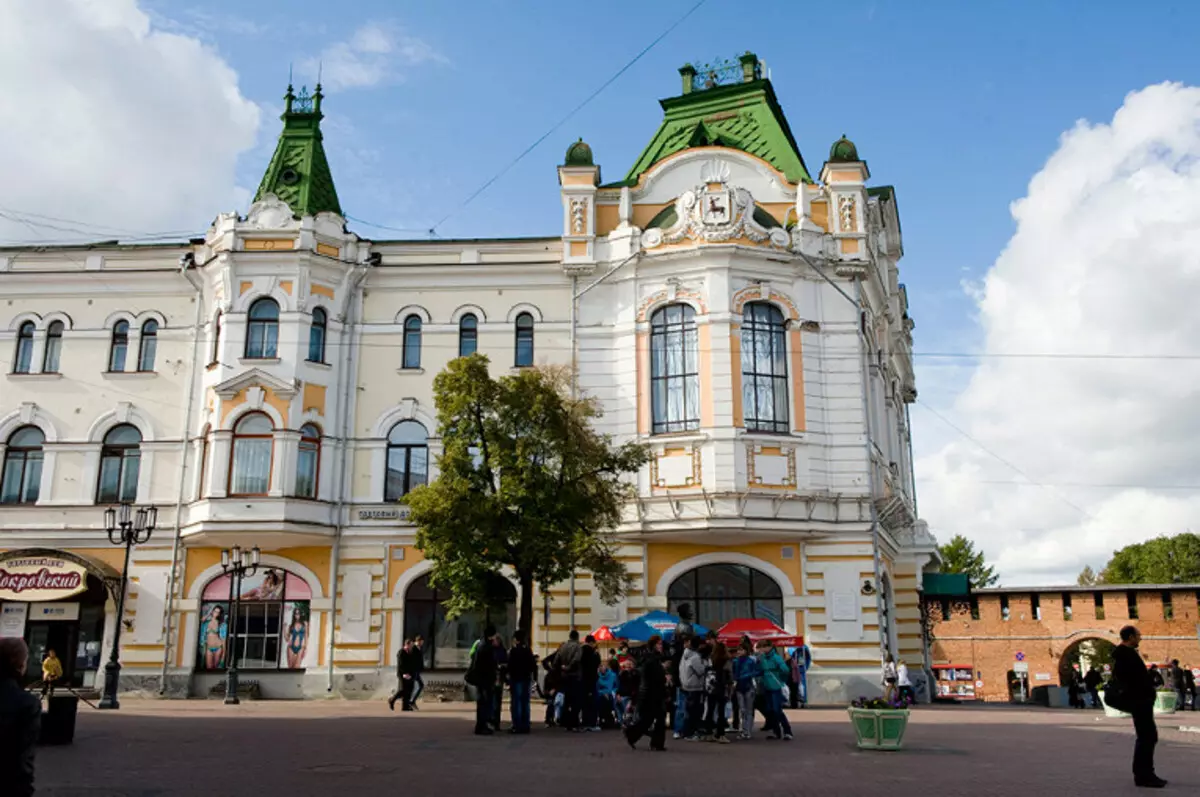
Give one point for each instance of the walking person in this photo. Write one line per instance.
(20, 720)
(1137, 697)
(522, 668)
(774, 677)
(904, 684)
(746, 672)
(569, 659)
(417, 679)
(404, 676)
(651, 701)
(1189, 685)
(718, 688)
(691, 682)
(889, 678)
(481, 674)
(52, 671)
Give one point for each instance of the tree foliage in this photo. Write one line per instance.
(959, 556)
(1162, 560)
(525, 481)
(1087, 577)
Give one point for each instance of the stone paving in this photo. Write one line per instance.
(334, 748)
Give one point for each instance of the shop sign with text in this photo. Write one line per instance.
(40, 578)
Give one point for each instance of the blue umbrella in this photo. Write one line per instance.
(640, 629)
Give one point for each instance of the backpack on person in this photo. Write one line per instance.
(472, 674)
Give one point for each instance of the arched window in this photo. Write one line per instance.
(412, 342)
(215, 354)
(50, 360)
(272, 628)
(447, 642)
(119, 347)
(262, 330)
(674, 370)
(764, 368)
(523, 357)
(316, 336)
(308, 461)
(724, 592)
(148, 345)
(22, 466)
(253, 444)
(120, 461)
(407, 459)
(23, 359)
(468, 335)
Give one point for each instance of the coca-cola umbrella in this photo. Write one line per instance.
(603, 634)
(758, 629)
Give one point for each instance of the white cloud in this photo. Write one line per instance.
(1105, 260)
(110, 121)
(376, 53)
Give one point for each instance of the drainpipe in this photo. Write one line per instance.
(185, 265)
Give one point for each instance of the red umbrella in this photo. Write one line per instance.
(759, 629)
(603, 634)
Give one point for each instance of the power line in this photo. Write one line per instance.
(1068, 485)
(567, 118)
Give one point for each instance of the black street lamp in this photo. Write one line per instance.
(128, 531)
(237, 564)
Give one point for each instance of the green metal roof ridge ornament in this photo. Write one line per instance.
(299, 172)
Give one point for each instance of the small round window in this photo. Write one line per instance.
(289, 176)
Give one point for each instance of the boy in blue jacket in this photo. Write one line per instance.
(746, 670)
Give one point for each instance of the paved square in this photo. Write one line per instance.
(352, 748)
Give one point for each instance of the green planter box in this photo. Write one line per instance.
(1164, 703)
(879, 729)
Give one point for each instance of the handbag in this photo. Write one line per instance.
(1117, 696)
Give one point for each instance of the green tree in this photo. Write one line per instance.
(1087, 577)
(959, 556)
(525, 481)
(1162, 560)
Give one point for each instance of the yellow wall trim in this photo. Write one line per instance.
(320, 290)
(286, 286)
(328, 250)
(268, 244)
(313, 399)
(839, 558)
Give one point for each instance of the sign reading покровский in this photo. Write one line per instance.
(41, 578)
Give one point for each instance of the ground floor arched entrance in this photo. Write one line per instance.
(448, 640)
(1084, 654)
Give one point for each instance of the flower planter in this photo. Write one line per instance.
(879, 728)
(1164, 702)
(1109, 711)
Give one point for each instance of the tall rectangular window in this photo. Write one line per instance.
(1098, 599)
(1004, 612)
(1131, 603)
(1066, 599)
(974, 608)
(1035, 606)
(674, 370)
(1168, 608)
(764, 369)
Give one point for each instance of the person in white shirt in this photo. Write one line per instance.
(903, 684)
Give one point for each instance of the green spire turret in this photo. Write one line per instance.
(299, 172)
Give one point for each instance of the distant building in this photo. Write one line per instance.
(270, 385)
(985, 642)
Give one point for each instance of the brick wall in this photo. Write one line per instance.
(990, 644)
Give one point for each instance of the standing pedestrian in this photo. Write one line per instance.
(569, 658)
(803, 657)
(793, 678)
(1189, 685)
(1137, 693)
(889, 678)
(20, 719)
(684, 631)
(51, 672)
(521, 670)
(904, 683)
(1091, 682)
(746, 672)
(501, 654)
(481, 674)
(552, 689)
(1177, 680)
(589, 676)
(718, 686)
(651, 699)
(691, 682)
(774, 678)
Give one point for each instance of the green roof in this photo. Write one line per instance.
(950, 585)
(299, 172)
(744, 116)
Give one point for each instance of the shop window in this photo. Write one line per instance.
(1005, 614)
(118, 349)
(22, 476)
(411, 354)
(23, 357)
(1067, 612)
(272, 625)
(764, 369)
(1168, 607)
(448, 641)
(148, 345)
(523, 354)
(1131, 604)
(253, 446)
(407, 459)
(120, 462)
(674, 370)
(1098, 600)
(308, 461)
(468, 335)
(53, 354)
(316, 336)
(723, 592)
(262, 330)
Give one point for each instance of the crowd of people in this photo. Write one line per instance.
(697, 687)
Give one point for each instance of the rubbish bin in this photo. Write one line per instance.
(58, 720)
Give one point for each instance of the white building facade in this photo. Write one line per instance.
(271, 386)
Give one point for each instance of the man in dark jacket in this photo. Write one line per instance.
(589, 674)
(568, 658)
(482, 671)
(651, 701)
(521, 669)
(20, 717)
(1180, 684)
(1134, 682)
(1092, 682)
(409, 666)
